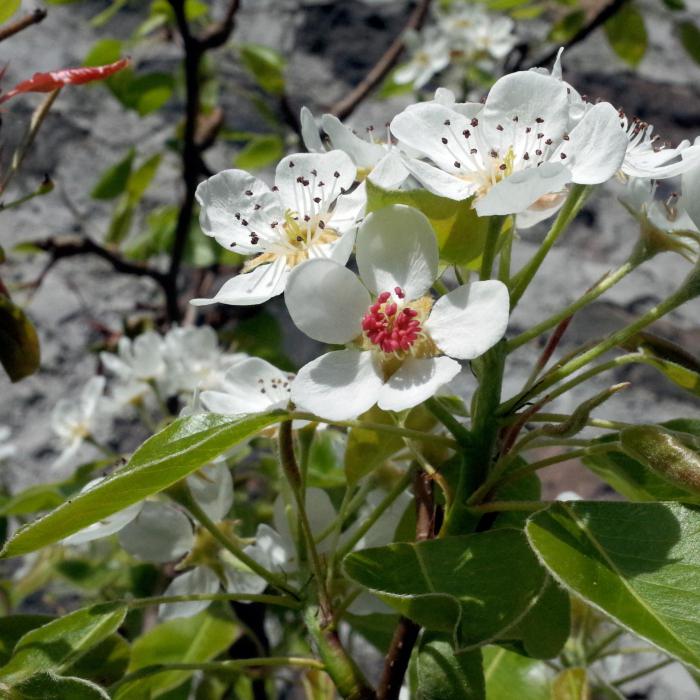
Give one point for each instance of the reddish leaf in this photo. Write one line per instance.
(46, 82)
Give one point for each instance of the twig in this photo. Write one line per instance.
(406, 632)
(601, 18)
(19, 25)
(345, 106)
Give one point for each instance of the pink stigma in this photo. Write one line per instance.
(387, 327)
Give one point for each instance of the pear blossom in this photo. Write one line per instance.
(473, 32)
(690, 200)
(429, 54)
(309, 213)
(7, 449)
(402, 346)
(515, 153)
(75, 421)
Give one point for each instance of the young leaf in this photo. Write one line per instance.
(19, 343)
(473, 586)
(103, 51)
(505, 670)
(690, 38)
(139, 181)
(113, 181)
(8, 8)
(627, 34)
(446, 675)
(174, 453)
(13, 628)
(266, 66)
(260, 152)
(183, 640)
(571, 684)
(637, 562)
(61, 642)
(49, 686)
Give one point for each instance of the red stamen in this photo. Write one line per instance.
(389, 330)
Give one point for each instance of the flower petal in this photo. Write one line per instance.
(212, 489)
(417, 380)
(326, 301)
(517, 192)
(159, 533)
(397, 247)
(596, 146)
(321, 514)
(470, 319)
(250, 288)
(199, 581)
(363, 153)
(338, 385)
(690, 199)
(107, 526)
(390, 172)
(309, 132)
(438, 181)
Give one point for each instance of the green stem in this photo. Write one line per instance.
(572, 206)
(380, 428)
(603, 644)
(399, 487)
(491, 246)
(606, 283)
(507, 506)
(184, 496)
(459, 432)
(643, 672)
(505, 257)
(231, 666)
(592, 422)
(282, 601)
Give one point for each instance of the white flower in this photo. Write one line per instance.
(402, 345)
(74, 421)
(690, 200)
(515, 154)
(251, 386)
(430, 54)
(7, 449)
(472, 31)
(305, 215)
(379, 160)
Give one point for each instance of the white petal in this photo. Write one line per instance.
(439, 182)
(470, 319)
(690, 198)
(326, 301)
(200, 581)
(91, 395)
(396, 247)
(339, 385)
(522, 189)
(250, 386)
(320, 511)
(249, 288)
(529, 96)
(416, 380)
(384, 529)
(159, 533)
(349, 209)
(363, 153)
(309, 132)
(270, 550)
(596, 146)
(335, 169)
(107, 526)
(390, 172)
(212, 489)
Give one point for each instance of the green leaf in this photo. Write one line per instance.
(8, 8)
(674, 4)
(461, 234)
(325, 469)
(505, 670)
(265, 65)
(102, 52)
(182, 640)
(102, 18)
(14, 627)
(446, 675)
(563, 29)
(690, 38)
(59, 643)
(120, 224)
(637, 562)
(139, 181)
(104, 664)
(529, 488)
(473, 586)
(163, 460)
(545, 628)
(377, 628)
(19, 343)
(148, 93)
(627, 34)
(113, 181)
(260, 152)
(50, 686)
(571, 684)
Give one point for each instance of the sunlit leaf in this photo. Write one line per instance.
(505, 670)
(627, 34)
(260, 152)
(265, 65)
(8, 8)
(114, 179)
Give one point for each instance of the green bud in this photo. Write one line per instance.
(665, 453)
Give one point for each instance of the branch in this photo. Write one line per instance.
(218, 34)
(406, 632)
(610, 10)
(19, 25)
(345, 106)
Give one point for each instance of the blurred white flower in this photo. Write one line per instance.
(7, 449)
(74, 421)
(429, 54)
(404, 347)
(307, 214)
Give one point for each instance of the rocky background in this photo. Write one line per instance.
(330, 46)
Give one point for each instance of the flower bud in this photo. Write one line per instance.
(664, 453)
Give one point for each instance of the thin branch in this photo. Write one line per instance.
(218, 34)
(610, 10)
(406, 632)
(345, 106)
(19, 25)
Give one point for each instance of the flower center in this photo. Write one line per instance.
(389, 328)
